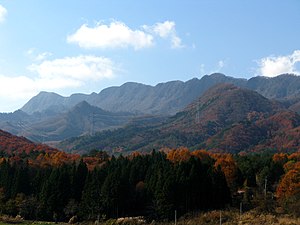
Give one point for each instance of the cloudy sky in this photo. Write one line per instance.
(85, 46)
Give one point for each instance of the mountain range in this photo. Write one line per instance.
(49, 117)
(226, 118)
(164, 98)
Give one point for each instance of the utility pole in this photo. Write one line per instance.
(175, 217)
(220, 217)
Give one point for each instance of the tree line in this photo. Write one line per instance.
(152, 185)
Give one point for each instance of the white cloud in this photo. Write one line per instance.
(275, 65)
(81, 68)
(3, 13)
(119, 35)
(16, 87)
(221, 64)
(33, 55)
(166, 30)
(68, 72)
(114, 35)
(42, 56)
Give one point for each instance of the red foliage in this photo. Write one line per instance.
(10, 144)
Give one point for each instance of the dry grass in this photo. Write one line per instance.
(229, 217)
(234, 218)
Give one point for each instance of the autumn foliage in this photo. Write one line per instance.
(290, 183)
(55, 181)
(229, 168)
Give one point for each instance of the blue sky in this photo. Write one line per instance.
(84, 46)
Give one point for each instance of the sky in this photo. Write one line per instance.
(84, 46)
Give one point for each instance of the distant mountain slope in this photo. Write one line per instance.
(48, 117)
(217, 110)
(222, 105)
(279, 132)
(11, 145)
(79, 120)
(283, 86)
(49, 101)
(165, 98)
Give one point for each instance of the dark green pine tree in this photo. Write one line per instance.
(22, 180)
(6, 177)
(78, 180)
(220, 191)
(199, 185)
(164, 192)
(91, 201)
(55, 193)
(110, 193)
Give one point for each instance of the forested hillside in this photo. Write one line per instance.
(225, 118)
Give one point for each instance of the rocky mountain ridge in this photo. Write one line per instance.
(164, 98)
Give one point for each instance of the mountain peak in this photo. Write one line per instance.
(164, 98)
(222, 105)
(41, 102)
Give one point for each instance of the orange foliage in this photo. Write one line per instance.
(18, 149)
(203, 155)
(290, 183)
(181, 154)
(280, 158)
(2, 160)
(295, 156)
(291, 161)
(133, 155)
(92, 162)
(229, 168)
(289, 166)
